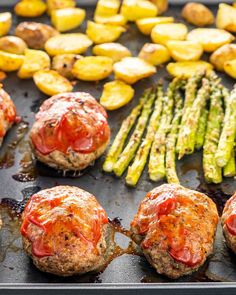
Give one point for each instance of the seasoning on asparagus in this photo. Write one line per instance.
(190, 94)
(226, 142)
(171, 173)
(230, 168)
(122, 135)
(157, 156)
(199, 103)
(129, 152)
(136, 169)
(201, 130)
(212, 172)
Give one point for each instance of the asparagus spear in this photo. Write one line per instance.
(122, 135)
(230, 168)
(226, 142)
(190, 94)
(193, 118)
(201, 131)
(136, 169)
(212, 172)
(158, 150)
(128, 153)
(171, 174)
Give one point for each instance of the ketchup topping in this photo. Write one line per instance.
(170, 220)
(7, 111)
(62, 210)
(72, 121)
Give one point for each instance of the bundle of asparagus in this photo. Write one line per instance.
(171, 123)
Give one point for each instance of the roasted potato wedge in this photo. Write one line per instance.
(30, 8)
(76, 43)
(198, 14)
(116, 20)
(188, 68)
(155, 54)
(133, 69)
(13, 44)
(59, 4)
(211, 39)
(35, 34)
(145, 25)
(185, 50)
(93, 68)
(34, 61)
(107, 8)
(162, 5)
(223, 54)
(162, 33)
(100, 33)
(67, 18)
(10, 62)
(230, 68)
(115, 51)
(115, 95)
(5, 23)
(226, 17)
(137, 9)
(63, 64)
(51, 83)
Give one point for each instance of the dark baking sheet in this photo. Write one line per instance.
(128, 271)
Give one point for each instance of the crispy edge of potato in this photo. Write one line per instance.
(13, 44)
(225, 53)
(190, 68)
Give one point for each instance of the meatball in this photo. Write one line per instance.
(228, 221)
(64, 231)
(7, 113)
(35, 34)
(70, 131)
(175, 228)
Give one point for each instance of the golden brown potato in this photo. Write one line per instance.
(51, 83)
(226, 17)
(34, 61)
(133, 69)
(76, 43)
(188, 68)
(223, 54)
(30, 8)
(198, 14)
(162, 33)
(230, 68)
(100, 33)
(185, 50)
(211, 39)
(162, 5)
(116, 20)
(145, 25)
(35, 34)
(107, 8)
(59, 4)
(137, 9)
(5, 23)
(116, 51)
(13, 44)
(155, 54)
(92, 68)
(115, 95)
(10, 62)
(63, 64)
(67, 18)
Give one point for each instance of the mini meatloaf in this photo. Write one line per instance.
(229, 222)
(7, 113)
(70, 131)
(64, 231)
(175, 228)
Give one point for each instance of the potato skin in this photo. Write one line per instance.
(30, 8)
(230, 68)
(197, 14)
(13, 44)
(223, 54)
(59, 4)
(155, 54)
(35, 34)
(63, 64)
